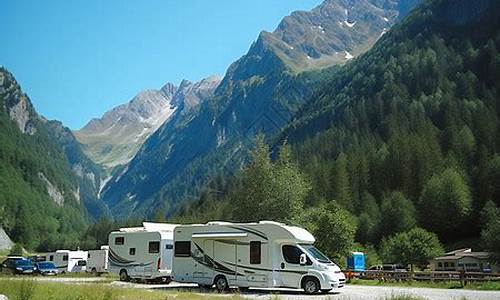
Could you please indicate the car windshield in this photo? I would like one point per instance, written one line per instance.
(316, 253)
(46, 265)
(23, 262)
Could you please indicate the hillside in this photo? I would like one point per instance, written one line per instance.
(41, 203)
(259, 93)
(406, 135)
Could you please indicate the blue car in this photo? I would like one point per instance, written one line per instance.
(46, 268)
(17, 265)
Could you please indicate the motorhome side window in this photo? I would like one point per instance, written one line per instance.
(51, 258)
(120, 240)
(255, 253)
(131, 251)
(291, 254)
(154, 247)
(65, 257)
(182, 249)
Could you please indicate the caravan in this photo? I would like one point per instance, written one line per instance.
(97, 262)
(142, 252)
(69, 261)
(261, 255)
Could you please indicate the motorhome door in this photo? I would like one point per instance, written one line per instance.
(290, 269)
(225, 258)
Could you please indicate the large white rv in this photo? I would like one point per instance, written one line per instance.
(261, 255)
(97, 262)
(69, 261)
(142, 252)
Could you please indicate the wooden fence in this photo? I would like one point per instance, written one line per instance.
(436, 276)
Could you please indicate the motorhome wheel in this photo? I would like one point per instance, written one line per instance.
(221, 283)
(311, 285)
(124, 275)
(94, 272)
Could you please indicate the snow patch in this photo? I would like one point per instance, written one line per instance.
(102, 185)
(350, 25)
(384, 31)
(348, 55)
(385, 19)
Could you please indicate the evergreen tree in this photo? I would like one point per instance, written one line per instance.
(445, 203)
(398, 213)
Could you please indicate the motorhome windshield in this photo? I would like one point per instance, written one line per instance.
(316, 253)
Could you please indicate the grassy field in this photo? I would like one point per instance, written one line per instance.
(487, 286)
(32, 290)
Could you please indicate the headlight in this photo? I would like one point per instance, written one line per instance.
(19, 269)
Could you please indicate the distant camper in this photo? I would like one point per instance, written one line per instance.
(264, 255)
(97, 262)
(69, 261)
(142, 252)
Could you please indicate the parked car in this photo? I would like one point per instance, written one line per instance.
(17, 265)
(46, 268)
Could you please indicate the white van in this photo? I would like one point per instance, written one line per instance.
(69, 261)
(261, 255)
(142, 252)
(97, 262)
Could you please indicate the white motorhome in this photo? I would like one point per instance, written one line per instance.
(260, 255)
(142, 252)
(97, 262)
(69, 261)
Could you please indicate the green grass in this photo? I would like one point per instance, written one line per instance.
(490, 286)
(32, 290)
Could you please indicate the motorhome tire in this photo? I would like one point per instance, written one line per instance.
(124, 275)
(221, 283)
(310, 285)
(94, 272)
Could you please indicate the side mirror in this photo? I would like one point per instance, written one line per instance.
(303, 259)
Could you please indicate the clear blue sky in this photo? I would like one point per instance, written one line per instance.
(77, 59)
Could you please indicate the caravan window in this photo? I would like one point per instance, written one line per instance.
(154, 247)
(291, 254)
(255, 253)
(120, 240)
(65, 257)
(51, 258)
(182, 249)
(131, 251)
(169, 246)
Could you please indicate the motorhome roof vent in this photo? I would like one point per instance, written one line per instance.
(271, 222)
(218, 223)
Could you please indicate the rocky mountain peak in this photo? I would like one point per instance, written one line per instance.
(116, 137)
(332, 33)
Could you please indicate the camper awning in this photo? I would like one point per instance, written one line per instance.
(219, 235)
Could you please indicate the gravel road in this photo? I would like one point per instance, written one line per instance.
(350, 292)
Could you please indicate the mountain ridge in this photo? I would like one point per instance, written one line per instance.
(259, 93)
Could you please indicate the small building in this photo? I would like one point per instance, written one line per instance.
(464, 259)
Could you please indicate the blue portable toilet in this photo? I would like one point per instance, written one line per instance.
(356, 261)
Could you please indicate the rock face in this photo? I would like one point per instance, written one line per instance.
(17, 104)
(116, 137)
(5, 241)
